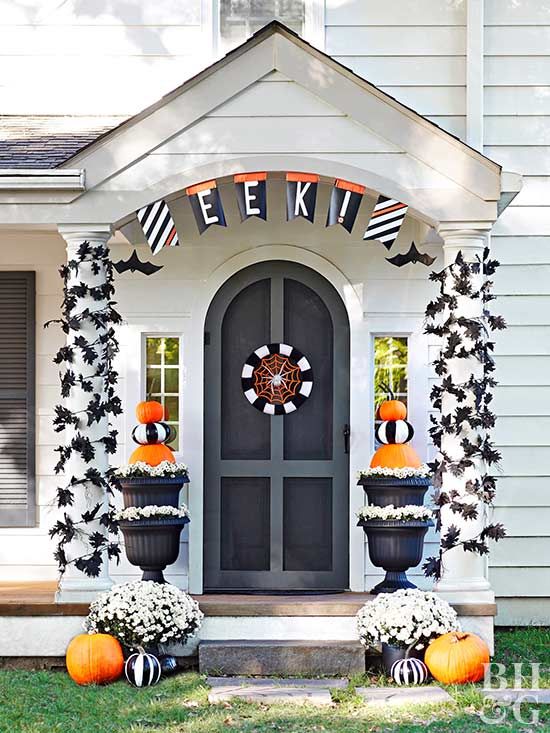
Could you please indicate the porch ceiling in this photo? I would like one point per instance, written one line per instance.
(275, 104)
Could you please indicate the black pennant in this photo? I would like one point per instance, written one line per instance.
(251, 195)
(413, 256)
(345, 200)
(206, 204)
(301, 195)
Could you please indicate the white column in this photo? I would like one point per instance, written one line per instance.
(75, 586)
(464, 576)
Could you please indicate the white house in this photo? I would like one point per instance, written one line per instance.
(440, 106)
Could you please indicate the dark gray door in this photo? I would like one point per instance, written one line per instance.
(276, 486)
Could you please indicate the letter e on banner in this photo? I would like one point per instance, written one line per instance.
(251, 195)
(206, 205)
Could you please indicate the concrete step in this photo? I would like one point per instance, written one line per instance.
(244, 657)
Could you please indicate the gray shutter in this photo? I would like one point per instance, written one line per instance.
(17, 399)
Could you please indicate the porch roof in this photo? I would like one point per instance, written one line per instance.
(174, 143)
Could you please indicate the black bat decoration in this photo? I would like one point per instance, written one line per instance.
(133, 263)
(414, 256)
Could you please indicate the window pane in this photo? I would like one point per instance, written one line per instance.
(153, 382)
(154, 350)
(173, 442)
(171, 380)
(172, 351)
(171, 409)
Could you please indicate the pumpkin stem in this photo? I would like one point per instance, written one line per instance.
(140, 649)
(389, 390)
(410, 648)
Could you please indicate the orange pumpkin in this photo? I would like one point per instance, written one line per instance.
(150, 411)
(392, 410)
(152, 454)
(395, 455)
(457, 657)
(94, 659)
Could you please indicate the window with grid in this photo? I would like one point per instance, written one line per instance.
(390, 370)
(239, 19)
(162, 379)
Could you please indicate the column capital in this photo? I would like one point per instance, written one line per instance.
(75, 234)
(459, 238)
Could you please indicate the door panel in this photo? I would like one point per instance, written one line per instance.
(276, 487)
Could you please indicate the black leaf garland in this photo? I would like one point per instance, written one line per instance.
(104, 403)
(464, 338)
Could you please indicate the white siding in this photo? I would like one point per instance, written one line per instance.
(517, 134)
(415, 52)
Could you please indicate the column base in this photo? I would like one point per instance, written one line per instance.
(81, 590)
(465, 590)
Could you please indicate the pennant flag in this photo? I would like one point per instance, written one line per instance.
(301, 194)
(158, 226)
(386, 220)
(207, 206)
(251, 195)
(345, 200)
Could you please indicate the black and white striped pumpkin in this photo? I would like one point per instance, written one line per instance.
(409, 672)
(394, 431)
(142, 669)
(151, 433)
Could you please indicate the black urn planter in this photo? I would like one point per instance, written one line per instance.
(152, 544)
(395, 546)
(143, 491)
(386, 490)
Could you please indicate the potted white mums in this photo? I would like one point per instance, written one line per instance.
(404, 623)
(396, 539)
(142, 484)
(152, 537)
(145, 614)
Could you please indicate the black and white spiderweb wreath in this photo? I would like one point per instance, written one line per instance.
(277, 379)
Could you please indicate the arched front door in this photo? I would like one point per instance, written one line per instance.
(276, 485)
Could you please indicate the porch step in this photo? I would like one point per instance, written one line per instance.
(244, 657)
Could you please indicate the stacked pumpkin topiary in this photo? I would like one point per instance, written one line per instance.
(151, 435)
(152, 519)
(395, 521)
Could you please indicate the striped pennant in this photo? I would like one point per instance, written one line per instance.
(386, 220)
(158, 226)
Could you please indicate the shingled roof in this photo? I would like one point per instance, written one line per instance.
(47, 141)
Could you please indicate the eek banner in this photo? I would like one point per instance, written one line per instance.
(345, 200)
(301, 198)
(206, 204)
(301, 195)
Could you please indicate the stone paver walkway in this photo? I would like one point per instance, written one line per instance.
(382, 696)
(529, 695)
(263, 690)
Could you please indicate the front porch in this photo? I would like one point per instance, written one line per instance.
(37, 629)
(453, 196)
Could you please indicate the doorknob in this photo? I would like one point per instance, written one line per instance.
(346, 432)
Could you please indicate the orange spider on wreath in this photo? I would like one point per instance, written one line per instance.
(277, 379)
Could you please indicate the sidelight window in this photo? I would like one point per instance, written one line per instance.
(162, 379)
(391, 356)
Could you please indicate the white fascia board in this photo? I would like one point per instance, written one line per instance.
(510, 186)
(40, 179)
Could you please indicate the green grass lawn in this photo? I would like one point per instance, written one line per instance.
(47, 702)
